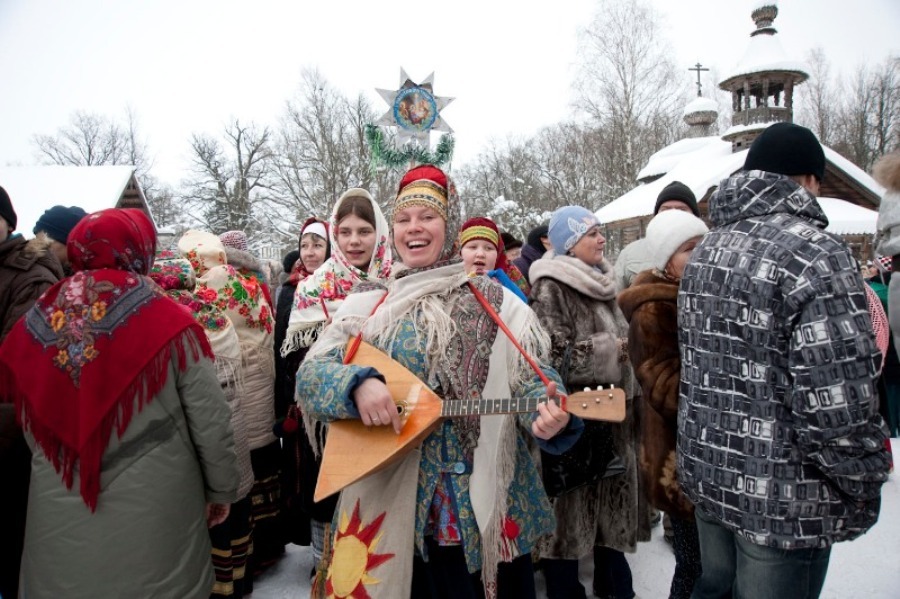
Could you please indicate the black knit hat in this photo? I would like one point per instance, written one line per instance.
(677, 191)
(289, 260)
(509, 241)
(6, 210)
(534, 236)
(58, 222)
(787, 149)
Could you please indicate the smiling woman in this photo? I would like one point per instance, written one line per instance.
(355, 222)
(470, 494)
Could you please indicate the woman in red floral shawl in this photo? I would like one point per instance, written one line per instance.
(105, 351)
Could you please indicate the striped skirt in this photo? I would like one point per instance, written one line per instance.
(231, 547)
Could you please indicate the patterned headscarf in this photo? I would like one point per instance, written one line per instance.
(318, 227)
(220, 284)
(177, 278)
(320, 294)
(427, 185)
(74, 368)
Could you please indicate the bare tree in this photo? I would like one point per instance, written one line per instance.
(885, 120)
(818, 98)
(89, 140)
(321, 151)
(562, 164)
(869, 120)
(629, 87)
(95, 140)
(230, 178)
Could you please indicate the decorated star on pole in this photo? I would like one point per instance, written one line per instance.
(414, 110)
(414, 113)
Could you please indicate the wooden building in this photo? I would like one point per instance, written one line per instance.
(762, 87)
(34, 189)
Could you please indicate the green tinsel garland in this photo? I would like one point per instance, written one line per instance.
(401, 158)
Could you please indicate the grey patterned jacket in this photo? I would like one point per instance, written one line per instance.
(778, 432)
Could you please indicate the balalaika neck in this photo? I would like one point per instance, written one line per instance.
(480, 407)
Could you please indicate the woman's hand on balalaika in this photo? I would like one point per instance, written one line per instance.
(551, 418)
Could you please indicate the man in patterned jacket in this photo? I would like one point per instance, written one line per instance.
(780, 445)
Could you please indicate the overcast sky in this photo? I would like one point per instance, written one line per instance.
(190, 65)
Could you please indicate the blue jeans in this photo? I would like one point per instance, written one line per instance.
(735, 567)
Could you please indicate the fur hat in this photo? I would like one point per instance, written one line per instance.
(57, 222)
(534, 236)
(568, 225)
(287, 263)
(667, 231)
(787, 149)
(6, 210)
(887, 172)
(509, 241)
(677, 191)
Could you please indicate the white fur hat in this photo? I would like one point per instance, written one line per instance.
(667, 231)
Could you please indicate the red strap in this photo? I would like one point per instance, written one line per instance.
(351, 351)
(496, 318)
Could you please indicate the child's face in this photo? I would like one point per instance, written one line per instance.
(478, 256)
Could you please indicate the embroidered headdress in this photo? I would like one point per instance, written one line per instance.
(429, 186)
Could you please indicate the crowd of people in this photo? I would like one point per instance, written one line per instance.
(164, 411)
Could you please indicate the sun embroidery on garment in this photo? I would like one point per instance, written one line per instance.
(354, 557)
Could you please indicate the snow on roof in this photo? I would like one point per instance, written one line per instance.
(764, 53)
(737, 129)
(34, 189)
(847, 218)
(853, 171)
(701, 105)
(709, 163)
(664, 160)
(701, 169)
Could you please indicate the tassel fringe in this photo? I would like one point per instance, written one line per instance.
(139, 392)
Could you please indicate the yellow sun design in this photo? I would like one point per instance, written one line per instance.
(354, 557)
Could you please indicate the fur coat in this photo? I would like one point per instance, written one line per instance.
(650, 305)
(27, 270)
(576, 303)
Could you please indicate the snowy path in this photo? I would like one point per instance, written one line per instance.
(867, 567)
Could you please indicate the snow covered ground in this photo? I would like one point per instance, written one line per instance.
(867, 567)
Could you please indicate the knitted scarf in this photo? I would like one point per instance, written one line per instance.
(96, 346)
(317, 297)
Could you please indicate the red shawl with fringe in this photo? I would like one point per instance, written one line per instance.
(96, 346)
